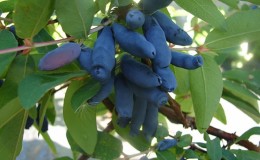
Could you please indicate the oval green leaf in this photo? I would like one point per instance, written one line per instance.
(7, 40)
(82, 124)
(76, 16)
(247, 30)
(206, 89)
(31, 16)
(33, 87)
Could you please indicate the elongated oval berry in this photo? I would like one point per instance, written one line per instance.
(166, 144)
(139, 73)
(186, 61)
(45, 121)
(103, 56)
(154, 34)
(124, 100)
(154, 95)
(29, 122)
(169, 82)
(133, 42)
(151, 121)
(103, 93)
(173, 33)
(134, 19)
(138, 116)
(60, 56)
(85, 58)
(150, 6)
(1, 82)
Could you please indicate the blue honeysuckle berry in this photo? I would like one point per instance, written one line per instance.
(166, 144)
(155, 35)
(173, 33)
(60, 56)
(133, 42)
(134, 19)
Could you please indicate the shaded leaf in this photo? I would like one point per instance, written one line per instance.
(7, 40)
(76, 16)
(34, 86)
(247, 30)
(205, 10)
(81, 125)
(11, 136)
(213, 148)
(246, 155)
(31, 16)
(108, 147)
(84, 93)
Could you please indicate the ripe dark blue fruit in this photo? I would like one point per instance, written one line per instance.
(134, 19)
(103, 56)
(123, 100)
(138, 116)
(173, 33)
(60, 56)
(150, 6)
(139, 73)
(166, 144)
(154, 95)
(103, 93)
(45, 121)
(186, 61)
(169, 82)
(85, 58)
(154, 34)
(123, 121)
(29, 122)
(1, 82)
(151, 121)
(133, 42)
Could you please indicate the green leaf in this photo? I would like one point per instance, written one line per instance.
(244, 106)
(102, 5)
(240, 91)
(227, 155)
(31, 16)
(246, 155)
(43, 36)
(206, 89)
(247, 30)
(9, 111)
(76, 16)
(213, 148)
(81, 125)
(137, 142)
(185, 141)
(165, 155)
(182, 77)
(7, 5)
(84, 93)
(7, 40)
(51, 112)
(34, 86)
(248, 134)
(108, 147)
(205, 10)
(253, 1)
(190, 154)
(11, 136)
(73, 145)
(220, 114)
(231, 3)
(49, 141)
